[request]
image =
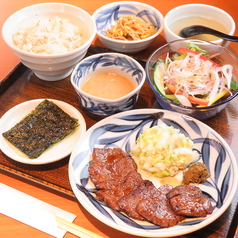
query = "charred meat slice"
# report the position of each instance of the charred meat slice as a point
(110, 164)
(129, 202)
(112, 190)
(120, 186)
(101, 155)
(164, 189)
(189, 201)
(158, 210)
(132, 179)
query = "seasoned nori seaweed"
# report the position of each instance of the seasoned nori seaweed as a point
(46, 125)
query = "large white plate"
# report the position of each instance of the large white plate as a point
(121, 130)
(56, 152)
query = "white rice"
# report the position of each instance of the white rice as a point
(49, 36)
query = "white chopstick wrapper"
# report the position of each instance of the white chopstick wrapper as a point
(32, 211)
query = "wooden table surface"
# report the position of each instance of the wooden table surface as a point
(225, 124)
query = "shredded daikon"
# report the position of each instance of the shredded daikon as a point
(49, 36)
(131, 28)
(195, 76)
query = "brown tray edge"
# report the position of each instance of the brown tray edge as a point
(12, 77)
(35, 180)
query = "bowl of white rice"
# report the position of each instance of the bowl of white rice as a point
(50, 38)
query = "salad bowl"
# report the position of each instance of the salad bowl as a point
(178, 87)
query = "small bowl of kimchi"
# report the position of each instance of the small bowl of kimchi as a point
(127, 26)
(193, 77)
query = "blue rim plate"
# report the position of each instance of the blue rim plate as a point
(121, 130)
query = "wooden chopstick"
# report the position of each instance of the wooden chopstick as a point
(75, 229)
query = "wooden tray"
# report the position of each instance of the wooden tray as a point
(22, 85)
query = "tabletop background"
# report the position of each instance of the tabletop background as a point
(9, 227)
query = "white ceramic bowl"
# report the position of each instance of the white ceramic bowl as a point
(108, 63)
(54, 66)
(106, 16)
(195, 10)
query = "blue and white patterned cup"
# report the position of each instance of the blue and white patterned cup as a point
(106, 16)
(102, 63)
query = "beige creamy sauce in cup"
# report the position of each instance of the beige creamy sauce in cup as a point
(108, 85)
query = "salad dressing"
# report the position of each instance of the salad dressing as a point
(171, 181)
(108, 86)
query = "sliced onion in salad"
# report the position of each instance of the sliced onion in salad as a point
(194, 79)
(183, 100)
